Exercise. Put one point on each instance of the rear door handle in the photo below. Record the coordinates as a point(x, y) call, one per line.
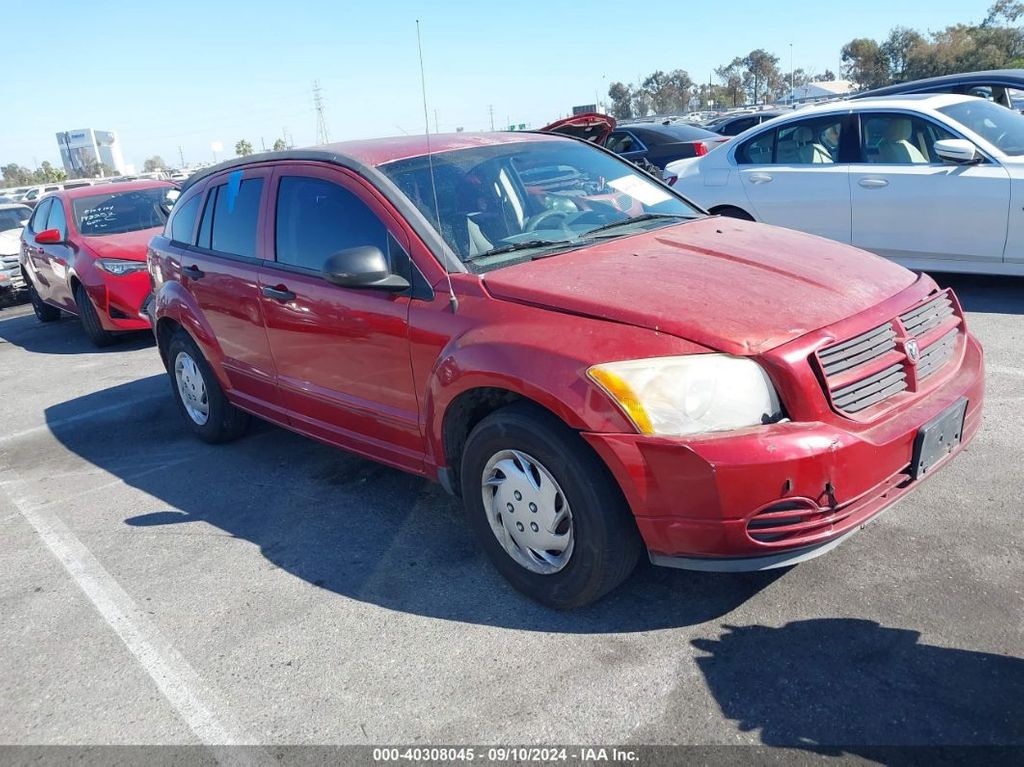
point(873, 183)
point(759, 178)
point(192, 272)
point(280, 293)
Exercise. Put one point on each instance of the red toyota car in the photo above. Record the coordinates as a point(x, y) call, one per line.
point(592, 363)
point(84, 252)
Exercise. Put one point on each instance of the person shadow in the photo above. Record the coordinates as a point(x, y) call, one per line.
point(829, 684)
point(349, 525)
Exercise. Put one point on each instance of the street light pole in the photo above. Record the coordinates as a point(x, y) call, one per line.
point(792, 77)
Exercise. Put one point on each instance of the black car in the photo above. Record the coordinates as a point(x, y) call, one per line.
point(734, 125)
point(647, 142)
point(1004, 86)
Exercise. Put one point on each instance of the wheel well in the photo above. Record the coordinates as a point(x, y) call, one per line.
point(165, 329)
point(721, 210)
point(462, 415)
point(73, 283)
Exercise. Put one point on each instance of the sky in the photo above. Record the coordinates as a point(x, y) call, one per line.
point(172, 77)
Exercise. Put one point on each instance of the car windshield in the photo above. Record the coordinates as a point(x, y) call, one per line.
point(501, 204)
point(14, 218)
point(1001, 127)
point(119, 212)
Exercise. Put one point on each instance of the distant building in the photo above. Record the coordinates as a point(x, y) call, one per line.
point(818, 90)
point(83, 150)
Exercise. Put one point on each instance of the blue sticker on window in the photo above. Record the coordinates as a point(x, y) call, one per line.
point(234, 184)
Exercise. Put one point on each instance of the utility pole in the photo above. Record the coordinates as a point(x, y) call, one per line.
point(263, 144)
point(436, 130)
point(490, 108)
point(792, 76)
point(322, 136)
point(181, 156)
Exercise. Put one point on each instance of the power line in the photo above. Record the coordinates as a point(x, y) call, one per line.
point(321, 122)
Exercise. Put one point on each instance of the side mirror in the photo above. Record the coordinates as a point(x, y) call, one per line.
point(957, 150)
point(49, 237)
point(363, 267)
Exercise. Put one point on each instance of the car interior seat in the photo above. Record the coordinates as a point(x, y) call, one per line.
point(800, 148)
point(896, 147)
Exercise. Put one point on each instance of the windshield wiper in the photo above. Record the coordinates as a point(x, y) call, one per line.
point(527, 245)
point(636, 220)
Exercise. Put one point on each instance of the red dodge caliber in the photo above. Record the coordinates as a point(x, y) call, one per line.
point(594, 365)
point(84, 252)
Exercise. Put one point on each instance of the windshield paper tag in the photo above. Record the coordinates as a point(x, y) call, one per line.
point(644, 191)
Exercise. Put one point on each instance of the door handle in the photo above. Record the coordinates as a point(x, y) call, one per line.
point(759, 178)
point(192, 272)
point(280, 293)
point(873, 183)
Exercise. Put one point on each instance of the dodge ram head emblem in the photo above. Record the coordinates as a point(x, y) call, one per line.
point(913, 353)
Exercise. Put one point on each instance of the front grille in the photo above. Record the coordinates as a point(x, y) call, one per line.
point(871, 367)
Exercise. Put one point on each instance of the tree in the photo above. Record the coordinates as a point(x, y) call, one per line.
point(667, 92)
point(47, 174)
point(731, 76)
point(761, 75)
point(865, 64)
point(828, 77)
point(897, 48)
point(243, 148)
point(17, 175)
point(156, 162)
point(622, 100)
point(279, 145)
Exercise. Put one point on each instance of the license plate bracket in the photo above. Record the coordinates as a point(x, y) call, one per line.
point(938, 438)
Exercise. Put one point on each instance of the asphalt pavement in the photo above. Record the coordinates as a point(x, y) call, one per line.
point(155, 589)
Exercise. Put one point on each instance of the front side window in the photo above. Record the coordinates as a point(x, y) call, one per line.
point(317, 218)
point(621, 141)
point(38, 222)
point(182, 222)
point(501, 204)
point(56, 219)
point(230, 217)
point(120, 212)
point(1001, 127)
point(900, 139)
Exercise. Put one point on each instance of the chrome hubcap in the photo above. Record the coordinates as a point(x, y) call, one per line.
point(192, 388)
point(528, 512)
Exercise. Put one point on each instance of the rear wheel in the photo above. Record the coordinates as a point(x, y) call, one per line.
point(43, 311)
point(200, 398)
point(545, 508)
point(90, 319)
point(731, 212)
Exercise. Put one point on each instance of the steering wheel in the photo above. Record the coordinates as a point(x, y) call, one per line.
point(534, 222)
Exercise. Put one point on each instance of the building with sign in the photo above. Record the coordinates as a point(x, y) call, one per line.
point(88, 152)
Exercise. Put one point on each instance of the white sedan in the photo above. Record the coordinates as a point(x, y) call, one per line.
point(934, 182)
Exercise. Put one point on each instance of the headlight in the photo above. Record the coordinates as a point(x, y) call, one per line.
point(120, 266)
point(674, 396)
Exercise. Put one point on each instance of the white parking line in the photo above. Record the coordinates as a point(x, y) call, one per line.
point(1004, 369)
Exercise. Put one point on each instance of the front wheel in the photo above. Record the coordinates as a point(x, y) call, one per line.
point(90, 319)
point(200, 397)
point(545, 508)
point(43, 311)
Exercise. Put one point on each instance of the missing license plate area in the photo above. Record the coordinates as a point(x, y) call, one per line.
point(938, 438)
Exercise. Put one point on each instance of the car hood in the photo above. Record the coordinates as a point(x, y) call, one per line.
point(130, 246)
point(10, 242)
point(729, 285)
point(590, 126)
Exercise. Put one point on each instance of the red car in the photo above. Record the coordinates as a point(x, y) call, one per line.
point(84, 252)
point(593, 364)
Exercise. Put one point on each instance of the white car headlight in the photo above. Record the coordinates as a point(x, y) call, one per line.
point(675, 396)
point(120, 266)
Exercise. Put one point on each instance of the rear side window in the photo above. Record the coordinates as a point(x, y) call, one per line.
point(230, 216)
point(316, 218)
point(758, 150)
point(57, 220)
point(182, 223)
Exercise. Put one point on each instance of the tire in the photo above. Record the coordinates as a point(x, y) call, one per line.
point(43, 311)
point(599, 542)
point(730, 212)
point(190, 372)
point(90, 319)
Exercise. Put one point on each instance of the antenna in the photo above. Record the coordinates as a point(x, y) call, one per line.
point(321, 121)
point(452, 300)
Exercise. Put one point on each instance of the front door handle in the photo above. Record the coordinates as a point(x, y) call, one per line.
point(280, 293)
point(873, 183)
point(759, 178)
point(192, 272)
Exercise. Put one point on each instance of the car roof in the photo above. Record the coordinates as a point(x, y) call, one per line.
point(379, 151)
point(985, 76)
point(96, 190)
point(906, 101)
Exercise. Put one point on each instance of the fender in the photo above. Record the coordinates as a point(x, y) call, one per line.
point(172, 301)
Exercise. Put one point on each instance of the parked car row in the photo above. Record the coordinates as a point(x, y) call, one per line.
point(733, 396)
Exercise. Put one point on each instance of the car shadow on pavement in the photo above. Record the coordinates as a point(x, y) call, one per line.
point(825, 683)
point(351, 526)
point(985, 293)
point(65, 336)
